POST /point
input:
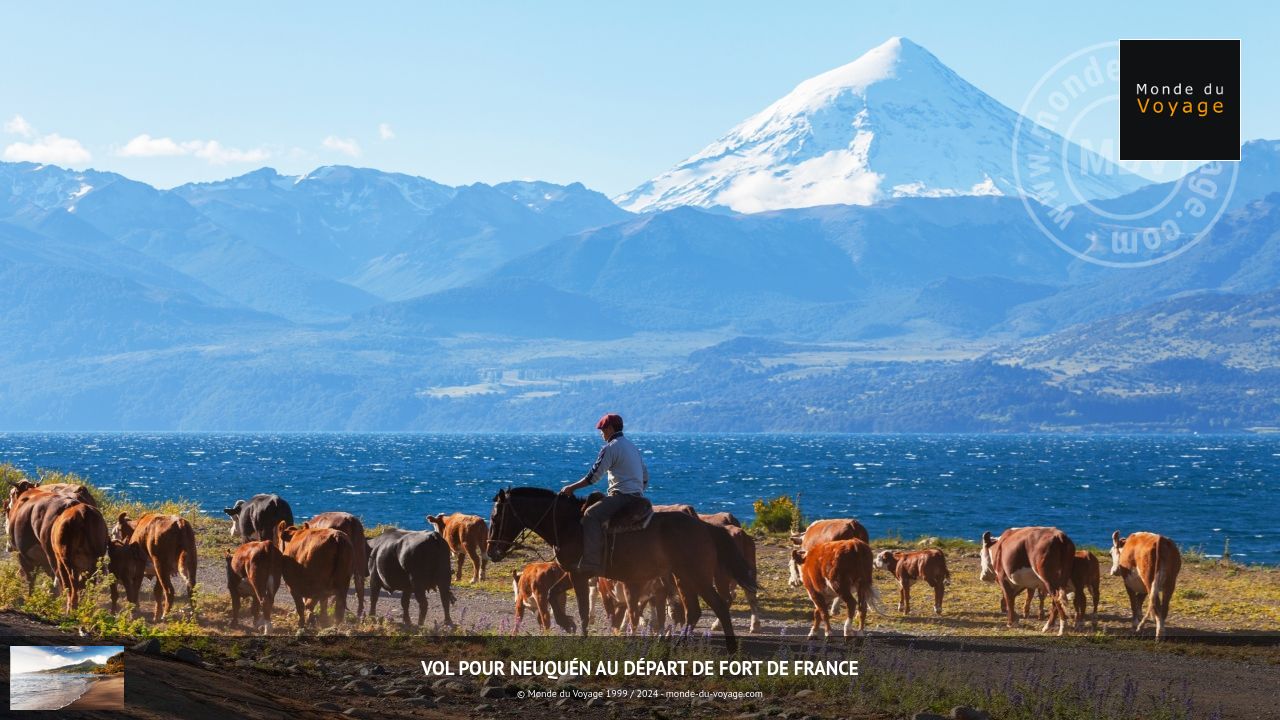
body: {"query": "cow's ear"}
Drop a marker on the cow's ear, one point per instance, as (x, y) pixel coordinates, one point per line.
(797, 539)
(986, 539)
(306, 525)
(124, 517)
(1115, 539)
(232, 511)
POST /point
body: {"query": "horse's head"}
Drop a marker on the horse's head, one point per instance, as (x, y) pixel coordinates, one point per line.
(504, 526)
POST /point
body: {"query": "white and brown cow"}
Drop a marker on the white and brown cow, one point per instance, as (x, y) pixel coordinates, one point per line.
(838, 570)
(1030, 557)
(911, 567)
(820, 531)
(1149, 564)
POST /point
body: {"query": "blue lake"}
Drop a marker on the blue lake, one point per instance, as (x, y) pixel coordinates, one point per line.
(1198, 490)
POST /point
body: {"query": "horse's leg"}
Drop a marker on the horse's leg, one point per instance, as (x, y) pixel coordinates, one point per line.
(660, 608)
(692, 609)
(721, 609)
(582, 593)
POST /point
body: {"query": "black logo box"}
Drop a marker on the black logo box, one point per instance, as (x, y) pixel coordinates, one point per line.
(1185, 67)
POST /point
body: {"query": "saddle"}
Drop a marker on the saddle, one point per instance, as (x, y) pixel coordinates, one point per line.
(630, 520)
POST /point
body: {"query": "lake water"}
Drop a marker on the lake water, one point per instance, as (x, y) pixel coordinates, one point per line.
(45, 692)
(1198, 490)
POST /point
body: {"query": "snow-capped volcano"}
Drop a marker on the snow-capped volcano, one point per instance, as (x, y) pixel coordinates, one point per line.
(895, 122)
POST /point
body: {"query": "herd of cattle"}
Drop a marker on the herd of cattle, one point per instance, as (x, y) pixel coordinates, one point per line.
(58, 528)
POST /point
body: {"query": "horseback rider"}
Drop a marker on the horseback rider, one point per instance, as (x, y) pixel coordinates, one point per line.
(628, 479)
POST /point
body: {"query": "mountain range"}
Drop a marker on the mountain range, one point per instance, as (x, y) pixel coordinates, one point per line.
(885, 278)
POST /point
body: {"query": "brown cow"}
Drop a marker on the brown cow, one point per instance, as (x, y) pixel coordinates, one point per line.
(837, 570)
(1084, 577)
(724, 581)
(316, 565)
(29, 523)
(723, 519)
(169, 543)
(77, 540)
(1149, 564)
(542, 587)
(25, 491)
(1030, 557)
(351, 525)
(910, 567)
(820, 531)
(466, 535)
(685, 508)
(254, 571)
(71, 490)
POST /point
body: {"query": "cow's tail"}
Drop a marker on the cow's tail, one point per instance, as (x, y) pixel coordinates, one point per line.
(873, 599)
(1154, 601)
(730, 558)
(187, 555)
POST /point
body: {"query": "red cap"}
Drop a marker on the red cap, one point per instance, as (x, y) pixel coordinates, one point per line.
(610, 420)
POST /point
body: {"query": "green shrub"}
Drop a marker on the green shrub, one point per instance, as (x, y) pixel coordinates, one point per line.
(779, 515)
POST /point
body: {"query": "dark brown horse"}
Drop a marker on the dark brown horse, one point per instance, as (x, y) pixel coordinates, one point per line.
(673, 542)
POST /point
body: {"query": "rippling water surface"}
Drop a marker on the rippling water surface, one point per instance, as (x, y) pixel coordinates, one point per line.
(1198, 490)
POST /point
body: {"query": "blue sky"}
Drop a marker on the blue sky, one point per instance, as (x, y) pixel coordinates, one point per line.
(603, 93)
(33, 658)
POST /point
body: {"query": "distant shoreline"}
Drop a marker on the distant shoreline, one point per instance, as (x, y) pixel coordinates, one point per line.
(104, 693)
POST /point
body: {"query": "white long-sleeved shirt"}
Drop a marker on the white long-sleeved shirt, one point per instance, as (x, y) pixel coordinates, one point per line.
(621, 459)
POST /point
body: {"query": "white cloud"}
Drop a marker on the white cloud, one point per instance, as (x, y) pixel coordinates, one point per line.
(52, 148)
(146, 146)
(346, 146)
(212, 151)
(19, 126)
(385, 132)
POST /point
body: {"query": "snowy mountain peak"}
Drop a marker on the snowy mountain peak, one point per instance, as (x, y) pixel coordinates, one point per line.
(895, 122)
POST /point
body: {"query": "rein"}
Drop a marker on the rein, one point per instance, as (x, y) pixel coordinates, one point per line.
(527, 528)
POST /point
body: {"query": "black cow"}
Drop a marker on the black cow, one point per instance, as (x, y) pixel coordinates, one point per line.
(411, 563)
(257, 518)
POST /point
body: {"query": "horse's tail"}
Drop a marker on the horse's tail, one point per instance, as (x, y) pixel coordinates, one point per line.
(730, 557)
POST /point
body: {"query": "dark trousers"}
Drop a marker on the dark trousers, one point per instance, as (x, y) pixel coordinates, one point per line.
(593, 524)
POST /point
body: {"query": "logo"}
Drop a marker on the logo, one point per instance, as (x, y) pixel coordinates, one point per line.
(1126, 213)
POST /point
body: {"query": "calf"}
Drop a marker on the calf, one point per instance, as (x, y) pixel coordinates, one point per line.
(316, 564)
(542, 587)
(837, 570)
(169, 544)
(127, 564)
(77, 540)
(1149, 564)
(911, 567)
(820, 531)
(466, 535)
(1030, 557)
(258, 518)
(351, 525)
(254, 571)
(624, 603)
(410, 563)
